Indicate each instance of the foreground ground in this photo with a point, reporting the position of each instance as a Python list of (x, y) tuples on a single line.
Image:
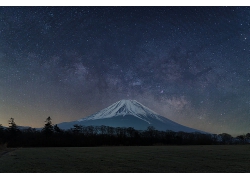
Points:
[(154, 159)]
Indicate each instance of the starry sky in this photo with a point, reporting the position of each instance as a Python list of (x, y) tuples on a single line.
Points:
[(189, 64)]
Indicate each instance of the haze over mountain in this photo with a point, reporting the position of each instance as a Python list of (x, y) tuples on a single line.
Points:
[(128, 113)]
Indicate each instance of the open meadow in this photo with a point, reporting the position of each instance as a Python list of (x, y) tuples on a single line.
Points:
[(127, 159)]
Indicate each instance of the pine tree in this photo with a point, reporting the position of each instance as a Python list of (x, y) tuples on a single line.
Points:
[(48, 127), (1, 127), (57, 129), (1, 131), (12, 127)]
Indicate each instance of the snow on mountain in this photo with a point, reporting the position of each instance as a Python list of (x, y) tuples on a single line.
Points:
[(125, 107), (129, 113)]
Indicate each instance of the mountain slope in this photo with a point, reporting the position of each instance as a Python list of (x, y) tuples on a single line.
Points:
[(128, 113)]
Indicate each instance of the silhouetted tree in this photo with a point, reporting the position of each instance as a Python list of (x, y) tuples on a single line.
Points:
[(242, 139), (226, 138), (77, 129), (57, 129), (150, 132), (90, 130), (103, 129), (1, 133), (247, 138), (12, 133), (1, 128), (131, 132), (48, 127), (12, 127), (110, 130)]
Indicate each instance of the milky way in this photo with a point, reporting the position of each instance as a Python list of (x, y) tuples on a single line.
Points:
[(189, 64)]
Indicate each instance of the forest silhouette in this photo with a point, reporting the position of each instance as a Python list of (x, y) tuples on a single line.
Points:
[(82, 136)]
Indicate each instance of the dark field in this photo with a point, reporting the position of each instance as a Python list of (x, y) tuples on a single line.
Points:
[(131, 159)]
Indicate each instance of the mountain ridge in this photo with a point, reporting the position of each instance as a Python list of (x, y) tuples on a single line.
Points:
[(129, 113)]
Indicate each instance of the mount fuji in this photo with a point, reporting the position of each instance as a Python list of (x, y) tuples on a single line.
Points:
[(129, 113)]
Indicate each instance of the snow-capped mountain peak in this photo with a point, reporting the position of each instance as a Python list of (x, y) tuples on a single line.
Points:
[(129, 113), (123, 108)]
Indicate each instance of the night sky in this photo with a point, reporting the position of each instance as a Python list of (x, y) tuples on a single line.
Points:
[(189, 64)]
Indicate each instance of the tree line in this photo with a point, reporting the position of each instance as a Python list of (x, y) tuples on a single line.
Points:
[(80, 136)]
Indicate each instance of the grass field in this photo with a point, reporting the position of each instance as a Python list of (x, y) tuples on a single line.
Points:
[(150, 159)]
